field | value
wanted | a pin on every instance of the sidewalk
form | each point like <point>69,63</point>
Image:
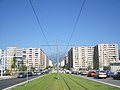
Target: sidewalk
<point>6,77</point>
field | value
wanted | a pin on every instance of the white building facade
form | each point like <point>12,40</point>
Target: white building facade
<point>35,57</point>
<point>104,54</point>
<point>13,52</point>
<point>80,57</point>
<point>2,61</point>
<point>31,57</point>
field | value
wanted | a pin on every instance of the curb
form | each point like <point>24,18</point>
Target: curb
<point>102,82</point>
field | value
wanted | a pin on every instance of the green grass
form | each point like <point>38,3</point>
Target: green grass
<point>66,82</point>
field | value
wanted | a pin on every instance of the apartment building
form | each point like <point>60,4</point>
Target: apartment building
<point>31,57</point>
<point>104,54</point>
<point>2,60</point>
<point>35,57</point>
<point>13,52</point>
<point>80,57</point>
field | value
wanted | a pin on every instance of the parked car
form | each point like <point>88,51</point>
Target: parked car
<point>68,72</point>
<point>38,73</point>
<point>29,74</point>
<point>91,74</point>
<point>34,74</point>
<point>100,74</point>
<point>110,73</point>
<point>83,72</point>
<point>117,76</point>
<point>77,72</point>
<point>21,75</point>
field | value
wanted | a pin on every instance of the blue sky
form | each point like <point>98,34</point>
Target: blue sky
<point>99,22</point>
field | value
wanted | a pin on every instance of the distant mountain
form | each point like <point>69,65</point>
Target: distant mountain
<point>61,57</point>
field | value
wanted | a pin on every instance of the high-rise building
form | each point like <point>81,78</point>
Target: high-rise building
<point>104,54</point>
<point>2,60</point>
<point>30,57</point>
<point>80,57</point>
<point>35,57</point>
<point>13,52</point>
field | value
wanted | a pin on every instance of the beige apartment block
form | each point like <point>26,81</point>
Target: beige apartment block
<point>13,52</point>
<point>104,54</point>
<point>80,57</point>
<point>31,57</point>
<point>35,57</point>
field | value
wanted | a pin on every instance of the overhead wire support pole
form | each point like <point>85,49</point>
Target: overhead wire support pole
<point>58,77</point>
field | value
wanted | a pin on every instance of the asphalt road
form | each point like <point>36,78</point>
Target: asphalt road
<point>107,80</point>
<point>10,82</point>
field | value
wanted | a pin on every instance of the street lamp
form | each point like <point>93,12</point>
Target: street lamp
<point>27,67</point>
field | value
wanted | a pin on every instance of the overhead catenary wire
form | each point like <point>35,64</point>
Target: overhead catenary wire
<point>31,4</point>
<point>74,28</point>
<point>38,21</point>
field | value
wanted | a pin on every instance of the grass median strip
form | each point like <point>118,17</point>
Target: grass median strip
<point>66,82</point>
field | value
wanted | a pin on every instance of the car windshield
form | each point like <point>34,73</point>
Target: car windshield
<point>102,71</point>
<point>21,73</point>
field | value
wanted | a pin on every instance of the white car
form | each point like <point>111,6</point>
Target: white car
<point>100,74</point>
<point>68,71</point>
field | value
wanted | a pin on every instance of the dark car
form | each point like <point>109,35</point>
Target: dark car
<point>29,74</point>
<point>110,73</point>
<point>91,74</point>
<point>21,75</point>
<point>117,76</point>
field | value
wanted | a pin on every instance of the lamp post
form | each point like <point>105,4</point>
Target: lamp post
<point>27,69</point>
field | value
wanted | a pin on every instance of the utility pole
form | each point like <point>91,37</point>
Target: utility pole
<point>27,67</point>
<point>57,59</point>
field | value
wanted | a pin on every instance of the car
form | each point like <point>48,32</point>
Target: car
<point>117,76</point>
<point>38,73</point>
<point>68,72</point>
<point>110,73</point>
<point>22,75</point>
<point>83,72</point>
<point>100,74</point>
<point>77,72</point>
<point>34,74</point>
<point>91,74</point>
<point>29,74</point>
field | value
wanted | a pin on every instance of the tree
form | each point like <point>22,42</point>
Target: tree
<point>48,67</point>
<point>32,69</point>
<point>7,72</point>
<point>89,68</point>
<point>14,63</point>
<point>23,68</point>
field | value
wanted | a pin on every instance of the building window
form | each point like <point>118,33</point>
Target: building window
<point>24,56</point>
<point>24,52</point>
